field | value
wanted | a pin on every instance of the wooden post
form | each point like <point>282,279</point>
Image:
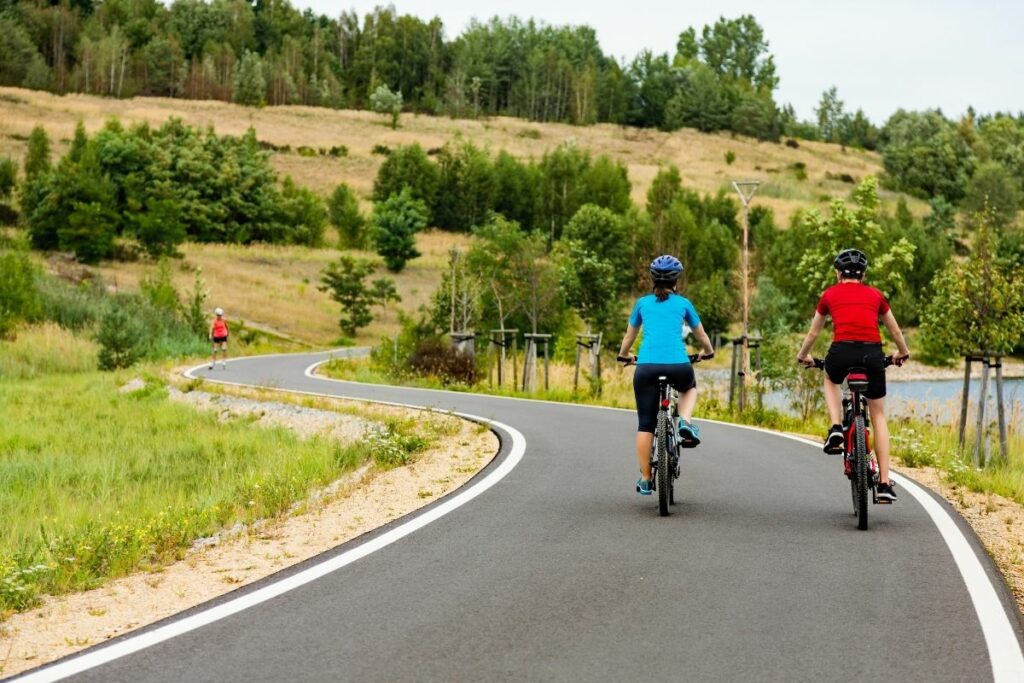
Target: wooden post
<point>515,359</point>
<point>546,384</point>
<point>982,400</point>
<point>963,401</point>
<point>576,373</point>
<point>1004,445</point>
<point>732,377</point>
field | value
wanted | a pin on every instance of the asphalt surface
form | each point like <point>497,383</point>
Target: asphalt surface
<point>562,572</point>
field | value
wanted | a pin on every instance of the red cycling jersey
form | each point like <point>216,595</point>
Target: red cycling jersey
<point>855,309</point>
<point>220,327</point>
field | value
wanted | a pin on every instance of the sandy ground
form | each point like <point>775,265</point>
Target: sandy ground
<point>352,506</point>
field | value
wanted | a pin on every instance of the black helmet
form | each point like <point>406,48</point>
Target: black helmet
<point>851,263</point>
<point>666,268</point>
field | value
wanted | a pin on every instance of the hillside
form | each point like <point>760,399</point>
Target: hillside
<point>277,285</point>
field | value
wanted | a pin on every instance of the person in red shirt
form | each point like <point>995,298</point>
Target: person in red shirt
<point>855,309</point>
<point>219,336</point>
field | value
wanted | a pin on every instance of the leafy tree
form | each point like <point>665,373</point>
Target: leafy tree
<point>345,280</point>
<point>603,233</point>
<point>384,101</point>
<point>924,155</point>
<point>250,84</point>
<point>343,210</point>
<point>830,115</point>
<point>993,189</point>
<point>304,214</point>
<point>666,186</point>
<point>736,49</point>
<point>978,304</point>
<point>588,283</point>
<point>395,224</point>
<point>407,167</point>
<point>158,288</point>
<point>562,187</point>
<point>19,296</point>
<point>8,177</point>
<point>1001,139</point>
<point>466,187</point>
<point>858,228</point>
<point>771,310</point>
<point>702,102</point>
<point>716,299</point>
<point>756,115</point>
<point>517,189</point>
<point>606,184</point>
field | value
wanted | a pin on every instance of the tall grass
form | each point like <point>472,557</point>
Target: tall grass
<point>45,349</point>
<point>95,483</point>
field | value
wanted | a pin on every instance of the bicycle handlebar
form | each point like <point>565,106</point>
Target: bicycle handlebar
<point>694,358</point>
<point>819,364</point>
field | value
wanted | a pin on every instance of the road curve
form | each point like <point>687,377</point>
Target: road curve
<point>559,571</point>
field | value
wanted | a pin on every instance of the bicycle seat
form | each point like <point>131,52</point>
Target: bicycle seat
<point>857,380</point>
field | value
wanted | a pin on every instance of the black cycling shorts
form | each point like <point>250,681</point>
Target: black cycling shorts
<point>220,340</point>
<point>645,388</point>
<point>845,355</point>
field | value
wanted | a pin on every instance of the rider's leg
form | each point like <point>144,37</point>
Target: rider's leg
<point>834,401</point>
<point>687,402</point>
<point>876,409</point>
<point>644,441</point>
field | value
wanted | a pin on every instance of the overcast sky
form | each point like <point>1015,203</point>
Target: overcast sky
<point>882,55</point>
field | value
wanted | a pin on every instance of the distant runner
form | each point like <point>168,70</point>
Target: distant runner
<point>219,335</point>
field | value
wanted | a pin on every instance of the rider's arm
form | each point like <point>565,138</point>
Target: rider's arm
<point>210,335</point>
<point>896,333</point>
<point>705,341</point>
<point>627,341</point>
<point>817,325</point>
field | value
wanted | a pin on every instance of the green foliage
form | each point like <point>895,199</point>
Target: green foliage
<point>158,288</point>
<point>250,84</point>
<point>8,177</point>
<point>345,280</point>
<point>305,213</point>
<point>562,187</point>
<point>604,234</point>
<point>517,189</point>
<point>395,224</point>
<point>466,187</point>
<point>716,298</point>
<point>343,210</point>
<point>407,167</point>
<point>665,187</point>
<point>37,156</point>
<point>384,101</point>
<point>994,190</point>
<point>772,311</point>
<point>120,337</point>
<point>730,157</point>
<point>606,184</point>
<point>589,283</point>
<point>924,155</point>
<point>857,228</point>
<point>19,299</point>
<point>978,305</point>
<point>195,305</point>
<point>830,115</point>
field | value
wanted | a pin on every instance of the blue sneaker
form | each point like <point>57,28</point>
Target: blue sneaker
<point>643,487</point>
<point>689,434</point>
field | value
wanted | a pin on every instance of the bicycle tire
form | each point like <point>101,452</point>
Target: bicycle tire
<point>860,471</point>
<point>664,464</point>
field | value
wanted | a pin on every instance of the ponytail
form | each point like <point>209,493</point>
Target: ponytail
<point>662,288</point>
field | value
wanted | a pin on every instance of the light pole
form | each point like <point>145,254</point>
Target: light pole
<point>745,189</point>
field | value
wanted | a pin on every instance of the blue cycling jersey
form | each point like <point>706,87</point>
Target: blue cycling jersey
<point>662,322</point>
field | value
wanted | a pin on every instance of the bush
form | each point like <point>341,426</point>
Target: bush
<point>305,151</point>
<point>383,150</point>
<point>437,358</point>
<point>792,143</point>
<point>385,101</point>
<point>730,157</point>
<point>395,224</point>
<point>120,337</point>
<point>343,209</point>
<point>407,167</point>
<point>19,298</point>
<point>338,151</point>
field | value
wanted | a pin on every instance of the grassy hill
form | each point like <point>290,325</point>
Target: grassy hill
<point>276,286</point>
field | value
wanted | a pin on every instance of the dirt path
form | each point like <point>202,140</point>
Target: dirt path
<point>352,506</point>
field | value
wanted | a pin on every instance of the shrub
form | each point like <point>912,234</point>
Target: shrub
<point>345,280</point>
<point>383,150</point>
<point>19,298</point>
<point>730,157</point>
<point>385,101</point>
<point>343,209</point>
<point>338,151</point>
<point>437,358</point>
<point>799,169</point>
<point>305,151</point>
<point>8,177</point>
<point>407,167</point>
<point>792,143</point>
<point>120,338</point>
<point>529,133</point>
<point>395,224</point>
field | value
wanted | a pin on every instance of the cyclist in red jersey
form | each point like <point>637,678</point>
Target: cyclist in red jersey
<point>855,309</point>
<point>219,337</point>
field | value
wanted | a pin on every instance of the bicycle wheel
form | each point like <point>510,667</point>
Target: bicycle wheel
<point>664,464</point>
<point>861,472</point>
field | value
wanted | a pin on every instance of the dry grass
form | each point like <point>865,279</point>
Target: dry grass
<point>700,157</point>
<point>276,286</point>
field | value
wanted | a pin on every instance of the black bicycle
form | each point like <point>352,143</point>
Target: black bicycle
<point>859,463</point>
<point>665,450</point>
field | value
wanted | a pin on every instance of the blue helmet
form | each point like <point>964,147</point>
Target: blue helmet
<point>666,268</point>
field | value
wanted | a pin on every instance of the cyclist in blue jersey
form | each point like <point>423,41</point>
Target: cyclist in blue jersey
<point>662,315</point>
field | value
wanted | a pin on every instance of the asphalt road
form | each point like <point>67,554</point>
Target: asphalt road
<point>560,571</point>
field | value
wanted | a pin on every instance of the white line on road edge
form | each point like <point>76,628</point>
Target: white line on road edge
<point>1004,649</point>
<point>133,644</point>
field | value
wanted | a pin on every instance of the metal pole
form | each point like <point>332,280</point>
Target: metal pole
<point>1004,446</point>
<point>963,401</point>
<point>983,399</point>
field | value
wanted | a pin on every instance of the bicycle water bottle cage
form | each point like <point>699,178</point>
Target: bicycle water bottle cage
<point>857,380</point>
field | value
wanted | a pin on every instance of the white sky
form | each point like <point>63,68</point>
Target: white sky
<point>882,55</point>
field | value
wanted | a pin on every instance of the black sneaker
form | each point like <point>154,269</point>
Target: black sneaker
<point>885,493</point>
<point>834,440</point>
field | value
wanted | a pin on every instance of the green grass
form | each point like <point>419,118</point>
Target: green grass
<point>95,483</point>
<point>45,350</point>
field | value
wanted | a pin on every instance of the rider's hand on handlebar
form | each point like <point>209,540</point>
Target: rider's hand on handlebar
<point>707,356</point>
<point>626,360</point>
<point>805,360</point>
<point>900,358</point>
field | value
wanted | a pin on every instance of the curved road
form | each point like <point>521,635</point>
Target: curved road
<point>559,571</point>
